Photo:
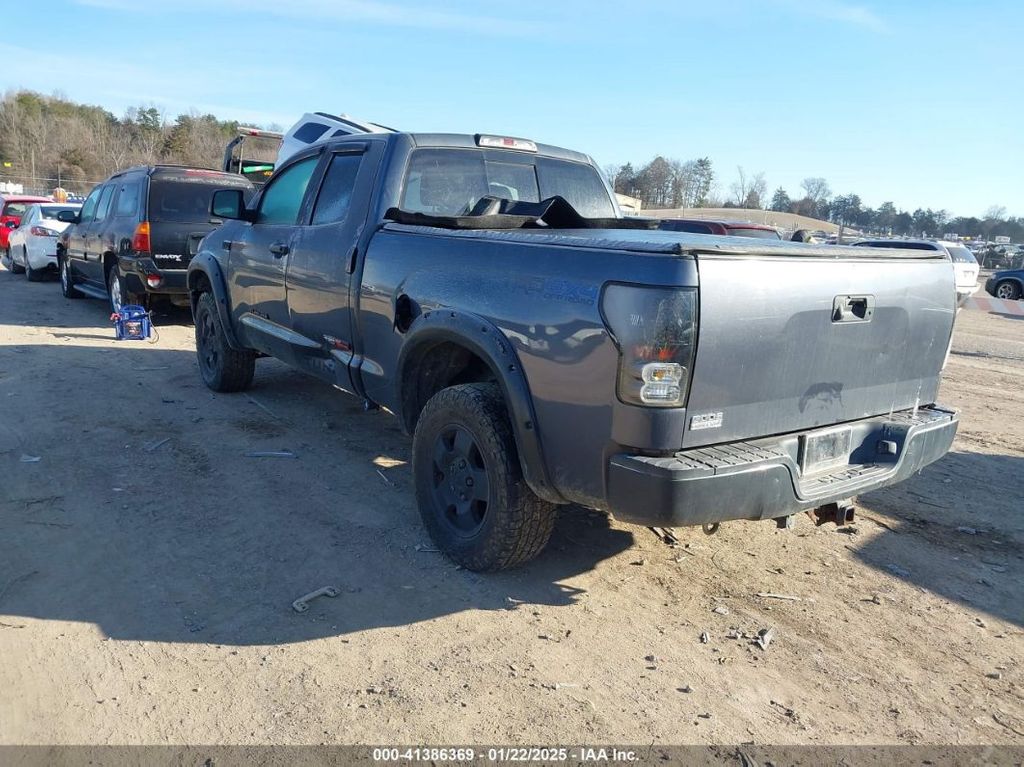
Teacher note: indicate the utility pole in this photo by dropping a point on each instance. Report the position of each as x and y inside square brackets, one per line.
[33, 166]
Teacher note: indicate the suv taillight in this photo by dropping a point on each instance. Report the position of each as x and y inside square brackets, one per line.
[656, 332]
[140, 240]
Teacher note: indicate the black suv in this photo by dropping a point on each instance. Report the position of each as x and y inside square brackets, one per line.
[137, 232]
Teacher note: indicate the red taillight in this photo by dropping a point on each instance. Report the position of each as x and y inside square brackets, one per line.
[42, 231]
[140, 240]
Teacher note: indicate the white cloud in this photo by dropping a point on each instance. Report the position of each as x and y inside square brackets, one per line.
[840, 11]
[352, 11]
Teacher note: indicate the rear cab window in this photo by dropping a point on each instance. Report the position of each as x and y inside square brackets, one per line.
[184, 196]
[449, 182]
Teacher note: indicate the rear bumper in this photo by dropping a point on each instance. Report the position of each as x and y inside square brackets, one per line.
[136, 271]
[761, 479]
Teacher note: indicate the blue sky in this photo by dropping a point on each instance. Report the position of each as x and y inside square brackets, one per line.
[911, 101]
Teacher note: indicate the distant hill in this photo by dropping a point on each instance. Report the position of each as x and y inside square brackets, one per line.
[787, 221]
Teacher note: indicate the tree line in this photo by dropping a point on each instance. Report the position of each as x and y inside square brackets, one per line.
[666, 183]
[52, 137]
[46, 138]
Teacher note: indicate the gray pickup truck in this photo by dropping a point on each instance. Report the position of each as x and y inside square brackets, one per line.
[543, 350]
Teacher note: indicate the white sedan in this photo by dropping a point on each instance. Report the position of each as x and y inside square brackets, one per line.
[32, 247]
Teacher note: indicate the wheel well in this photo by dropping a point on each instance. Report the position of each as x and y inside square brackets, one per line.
[434, 367]
[109, 262]
[198, 285]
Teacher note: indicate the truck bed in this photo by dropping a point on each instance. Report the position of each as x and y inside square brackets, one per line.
[673, 243]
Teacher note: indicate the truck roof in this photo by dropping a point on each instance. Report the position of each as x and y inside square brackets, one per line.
[469, 141]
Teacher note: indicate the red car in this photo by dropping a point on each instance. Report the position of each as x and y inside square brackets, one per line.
[12, 206]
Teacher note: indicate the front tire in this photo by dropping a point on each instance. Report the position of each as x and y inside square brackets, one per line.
[470, 489]
[67, 279]
[222, 368]
[1008, 290]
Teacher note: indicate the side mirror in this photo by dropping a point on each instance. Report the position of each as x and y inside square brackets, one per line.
[68, 217]
[229, 203]
[11, 224]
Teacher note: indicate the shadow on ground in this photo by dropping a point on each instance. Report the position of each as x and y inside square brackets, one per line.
[193, 541]
[965, 510]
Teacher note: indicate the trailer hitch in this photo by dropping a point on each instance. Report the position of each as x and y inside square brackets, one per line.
[840, 513]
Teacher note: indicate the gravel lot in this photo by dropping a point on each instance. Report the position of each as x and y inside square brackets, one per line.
[146, 585]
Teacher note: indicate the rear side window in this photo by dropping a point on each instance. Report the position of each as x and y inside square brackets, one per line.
[186, 200]
[310, 132]
[335, 196]
[282, 198]
[127, 201]
[103, 206]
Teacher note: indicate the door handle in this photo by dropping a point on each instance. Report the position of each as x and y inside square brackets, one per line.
[279, 249]
[227, 244]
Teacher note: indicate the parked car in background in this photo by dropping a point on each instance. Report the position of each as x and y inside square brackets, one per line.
[12, 207]
[137, 231]
[725, 228]
[964, 264]
[1008, 284]
[542, 350]
[32, 247]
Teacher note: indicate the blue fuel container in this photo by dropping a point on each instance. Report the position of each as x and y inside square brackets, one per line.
[132, 323]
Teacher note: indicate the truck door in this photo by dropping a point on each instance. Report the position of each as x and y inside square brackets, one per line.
[259, 258]
[323, 258]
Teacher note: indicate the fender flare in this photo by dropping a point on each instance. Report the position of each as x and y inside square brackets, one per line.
[485, 340]
[205, 264]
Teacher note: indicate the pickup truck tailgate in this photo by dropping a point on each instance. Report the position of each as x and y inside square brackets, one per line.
[791, 342]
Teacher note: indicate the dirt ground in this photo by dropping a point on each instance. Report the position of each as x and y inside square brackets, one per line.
[148, 566]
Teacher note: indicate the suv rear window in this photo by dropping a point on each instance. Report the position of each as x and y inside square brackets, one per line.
[187, 199]
[15, 209]
[961, 255]
[310, 132]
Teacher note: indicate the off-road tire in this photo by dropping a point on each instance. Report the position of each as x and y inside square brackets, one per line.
[516, 524]
[1012, 290]
[222, 368]
[34, 275]
[67, 279]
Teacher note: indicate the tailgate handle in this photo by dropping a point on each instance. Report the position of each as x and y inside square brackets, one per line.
[853, 308]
